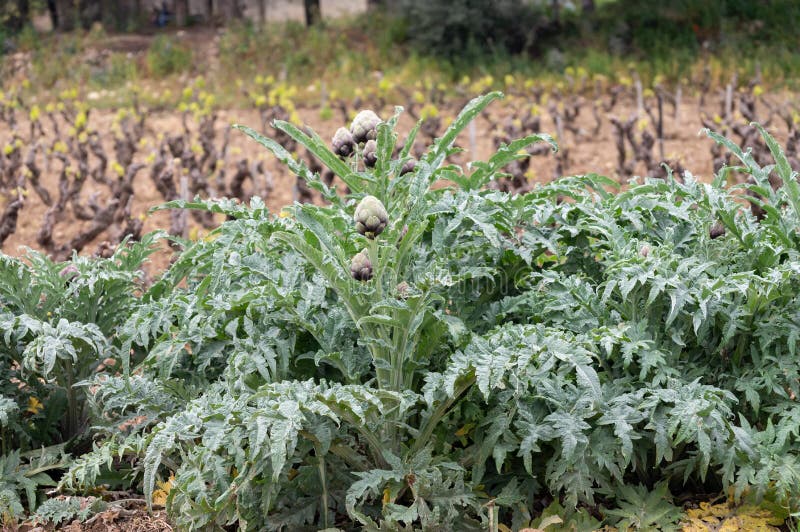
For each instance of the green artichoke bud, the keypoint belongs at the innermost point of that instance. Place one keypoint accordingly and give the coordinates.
(403, 290)
(408, 166)
(370, 217)
(361, 267)
(364, 126)
(343, 143)
(370, 153)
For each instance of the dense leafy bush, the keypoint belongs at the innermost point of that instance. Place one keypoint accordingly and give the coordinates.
(660, 29)
(470, 27)
(466, 28)
(493, 351)
(58, 323)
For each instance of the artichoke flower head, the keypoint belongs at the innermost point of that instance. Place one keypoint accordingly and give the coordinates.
(365, 126)
(343, 144)
(370, 217)
(361, 266)
(370, 153)
(408, 166)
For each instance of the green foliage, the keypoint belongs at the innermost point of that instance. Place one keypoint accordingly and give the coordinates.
(597, 350)
(660, 39)
(685, 24)
(13, 16)
(452, 29)
(65, 509)
(58, 325)
(120, 70)
(20, 479)
(167, 56)
(301, 51)
(644, 509)
(495, 350)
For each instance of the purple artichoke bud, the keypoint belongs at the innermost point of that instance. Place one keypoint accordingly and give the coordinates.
(364, 126)
(408, 166)
(343, 144)
(370, 217)
(717, 230)
(370, 153)
(645, 251)
(361, 267)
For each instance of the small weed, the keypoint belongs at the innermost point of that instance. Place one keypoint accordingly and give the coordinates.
(167, 56)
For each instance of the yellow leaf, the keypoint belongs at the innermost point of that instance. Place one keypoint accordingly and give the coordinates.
(161, 493)
(727, 517)
(80, 120)
(34, 405)
(463, 431)
(429, 111)
(118, 169)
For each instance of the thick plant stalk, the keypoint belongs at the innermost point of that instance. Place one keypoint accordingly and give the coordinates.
(72, 400)
(324, 484)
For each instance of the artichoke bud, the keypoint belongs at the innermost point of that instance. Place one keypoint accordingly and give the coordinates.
(364, 126)
(408, 166)
(370, 153)
(361, 267)
(343, 143)
(717, 230)
(645, 251)
(370, 217)
(403, 290)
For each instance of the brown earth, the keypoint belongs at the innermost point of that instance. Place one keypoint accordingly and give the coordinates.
(132, 516)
